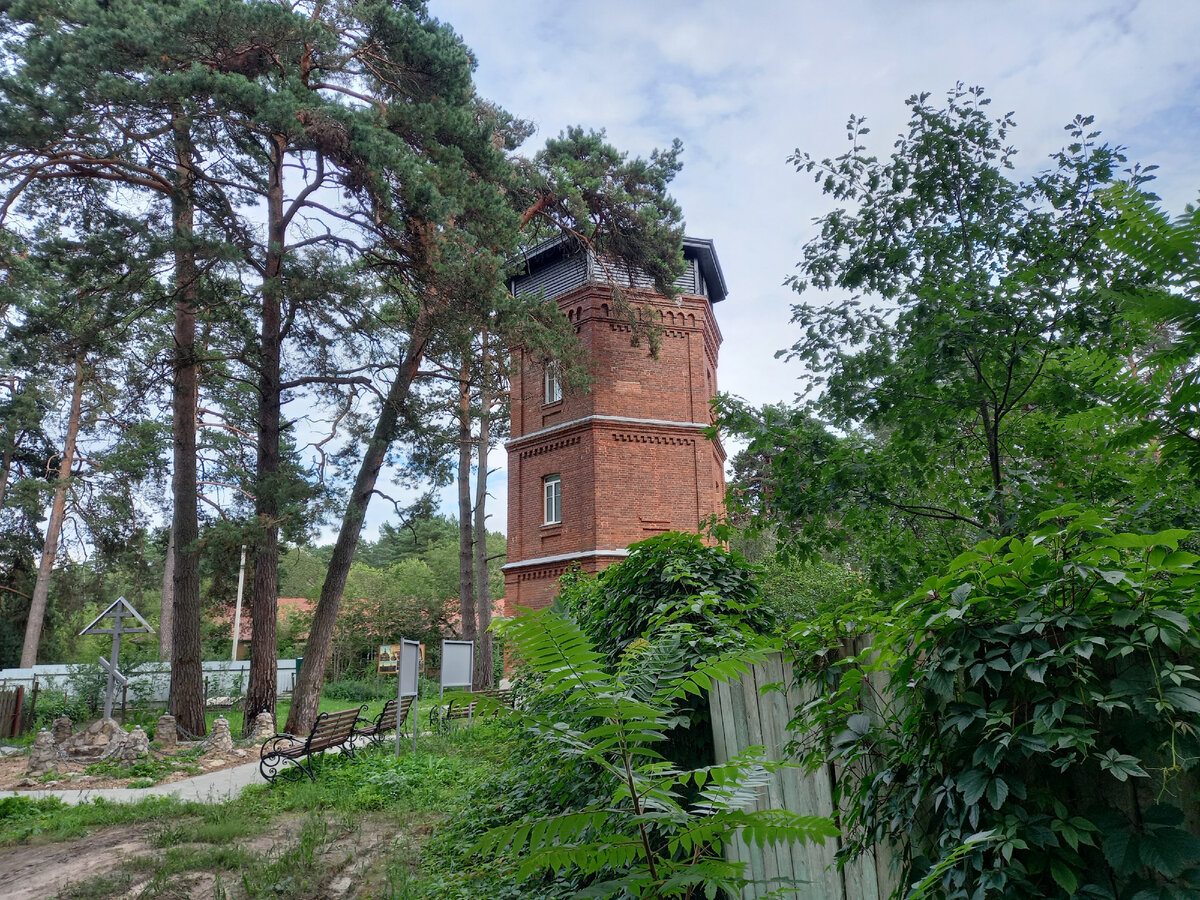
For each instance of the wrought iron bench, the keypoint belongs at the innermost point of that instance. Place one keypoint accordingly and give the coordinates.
(332, 730)
(391, 718)
(491, 701)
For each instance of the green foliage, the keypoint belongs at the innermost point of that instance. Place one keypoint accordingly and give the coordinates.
(151, 770)
(942, 368)
(639, 839)
(52, 705)
(415, 782)
(360, 691)
(1044, 689)
(1152, 396)
(671, 579)
(797, 589)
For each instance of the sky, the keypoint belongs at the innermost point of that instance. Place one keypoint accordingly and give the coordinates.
(745, 84)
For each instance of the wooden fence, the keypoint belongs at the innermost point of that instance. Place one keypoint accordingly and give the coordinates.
(11, 700)
(745, 715)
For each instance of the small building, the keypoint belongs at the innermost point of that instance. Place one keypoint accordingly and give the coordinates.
(593, 473)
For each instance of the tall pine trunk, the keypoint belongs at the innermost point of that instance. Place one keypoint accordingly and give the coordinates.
(484, 674)
(466, 580)
(187, 670)
(166, 616)
(6, 459)
(307, 696)
(41, 588)
(264, 605)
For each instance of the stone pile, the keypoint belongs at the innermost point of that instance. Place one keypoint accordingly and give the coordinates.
(43, 756)
(220, 741)
(165, 732)
(264, 727)
(100, 740)
(136, 746)
(61, 729)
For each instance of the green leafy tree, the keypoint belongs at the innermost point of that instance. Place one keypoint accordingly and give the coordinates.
(672, 579)
(941, 365)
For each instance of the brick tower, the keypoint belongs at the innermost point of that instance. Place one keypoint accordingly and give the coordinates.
(589, 475)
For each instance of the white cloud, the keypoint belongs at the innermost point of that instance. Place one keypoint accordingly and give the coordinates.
(745, 84)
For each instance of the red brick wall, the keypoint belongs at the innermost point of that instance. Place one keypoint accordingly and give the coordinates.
(621, 482)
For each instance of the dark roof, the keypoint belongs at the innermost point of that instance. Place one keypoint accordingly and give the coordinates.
(710, 267)
(700, 249)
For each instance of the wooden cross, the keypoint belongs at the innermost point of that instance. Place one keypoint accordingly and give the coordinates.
(119, 610)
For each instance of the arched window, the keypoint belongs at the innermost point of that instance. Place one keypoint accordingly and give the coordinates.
(553, 382)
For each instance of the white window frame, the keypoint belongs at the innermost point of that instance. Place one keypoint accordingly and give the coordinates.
(552, 383)
(552, 499)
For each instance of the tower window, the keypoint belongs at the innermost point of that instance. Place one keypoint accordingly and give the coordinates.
(552, 490)
(553, 382)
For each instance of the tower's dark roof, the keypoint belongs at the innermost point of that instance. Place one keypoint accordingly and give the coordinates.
(699, 249)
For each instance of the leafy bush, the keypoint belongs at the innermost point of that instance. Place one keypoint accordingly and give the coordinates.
(1043, 692)
(672, 581)
(360, 691)
(668, 579)
(53, 705)
(638, 838)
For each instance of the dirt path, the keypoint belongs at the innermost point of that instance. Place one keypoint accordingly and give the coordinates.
(33, 872)
(352, 861)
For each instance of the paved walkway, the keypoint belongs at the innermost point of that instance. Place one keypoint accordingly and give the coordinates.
(211, 787)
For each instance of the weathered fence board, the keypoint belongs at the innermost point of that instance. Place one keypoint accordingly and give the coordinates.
(743, 715)
(11, 699)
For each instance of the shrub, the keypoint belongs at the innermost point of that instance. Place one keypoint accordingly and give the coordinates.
(639, 836)
(1044, 692)
(674, 578)
(52, 705)
(357, 691)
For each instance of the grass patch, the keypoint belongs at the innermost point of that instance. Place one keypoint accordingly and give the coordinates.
(113, 885)
(219, 824)
(295, 870)
(152, 769)
(192, 844)
(23, 818)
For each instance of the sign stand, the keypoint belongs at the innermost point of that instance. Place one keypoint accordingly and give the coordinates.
(120, 609)
(409, 667)
(458, 666)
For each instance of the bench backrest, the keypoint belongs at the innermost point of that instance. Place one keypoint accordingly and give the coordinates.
(332, 729)
(466, 709)
(390, 715)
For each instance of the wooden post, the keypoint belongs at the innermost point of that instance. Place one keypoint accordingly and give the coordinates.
(32, 717)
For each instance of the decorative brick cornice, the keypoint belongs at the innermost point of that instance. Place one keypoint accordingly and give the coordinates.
(559, 444)
(515, 444)
(634, 437)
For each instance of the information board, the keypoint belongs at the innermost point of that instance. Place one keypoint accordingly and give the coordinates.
(409, 665)
(458, 664)
(386, 661)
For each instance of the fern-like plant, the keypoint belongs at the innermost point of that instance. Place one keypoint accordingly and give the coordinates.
(645, 840)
